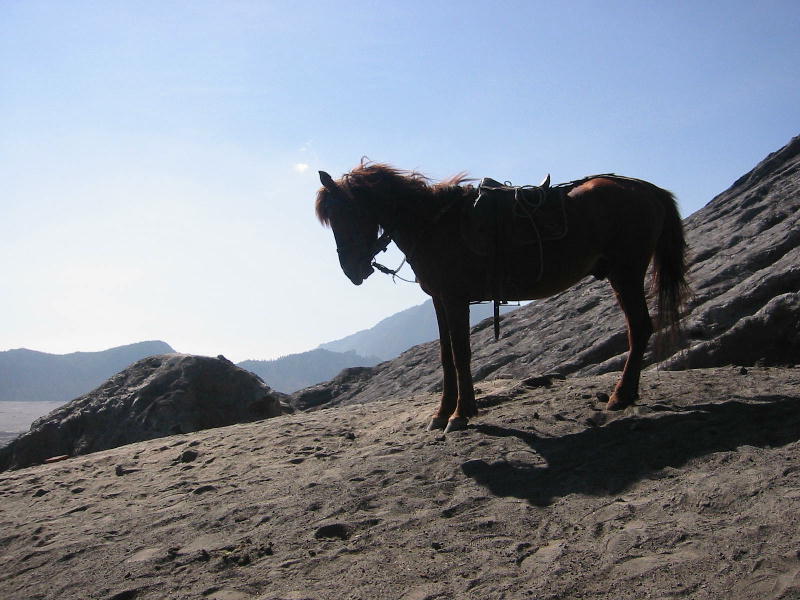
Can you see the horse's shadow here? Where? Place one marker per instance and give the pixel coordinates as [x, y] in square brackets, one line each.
[606, 460]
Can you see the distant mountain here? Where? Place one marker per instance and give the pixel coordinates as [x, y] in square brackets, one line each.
[296, 371]
[396, 334]
[31, 376]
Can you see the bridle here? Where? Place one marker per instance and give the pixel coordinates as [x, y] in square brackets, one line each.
[381, 243]
[378, 245]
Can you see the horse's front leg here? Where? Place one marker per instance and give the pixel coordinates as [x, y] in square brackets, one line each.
[457, 311]
[447, 405]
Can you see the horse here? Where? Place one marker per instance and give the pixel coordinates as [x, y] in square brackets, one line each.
[614, 227]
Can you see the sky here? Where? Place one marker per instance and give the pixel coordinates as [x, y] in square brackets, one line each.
[158, 159]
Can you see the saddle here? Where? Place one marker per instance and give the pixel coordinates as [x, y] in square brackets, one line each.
[505, 217]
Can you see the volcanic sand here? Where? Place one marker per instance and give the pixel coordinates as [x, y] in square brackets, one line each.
[694, 492]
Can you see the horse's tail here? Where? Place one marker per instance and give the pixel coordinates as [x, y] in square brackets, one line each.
[669, 273]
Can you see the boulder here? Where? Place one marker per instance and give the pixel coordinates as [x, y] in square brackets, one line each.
[157, 396]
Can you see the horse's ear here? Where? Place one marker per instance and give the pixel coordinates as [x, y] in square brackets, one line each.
[327, 182]
[546, 183]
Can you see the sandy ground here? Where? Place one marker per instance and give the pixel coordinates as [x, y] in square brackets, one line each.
[693, 493]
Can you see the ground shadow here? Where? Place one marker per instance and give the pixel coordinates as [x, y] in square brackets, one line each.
[606, 460]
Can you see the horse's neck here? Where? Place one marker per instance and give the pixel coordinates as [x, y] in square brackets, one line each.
[412, 217]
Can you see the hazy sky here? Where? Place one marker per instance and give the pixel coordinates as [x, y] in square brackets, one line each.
[158, 160]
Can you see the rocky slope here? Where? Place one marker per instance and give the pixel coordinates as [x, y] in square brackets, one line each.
[745, 274]
[693, 493]
[155, 397]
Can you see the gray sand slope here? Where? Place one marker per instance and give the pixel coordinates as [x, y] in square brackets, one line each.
[694, 493]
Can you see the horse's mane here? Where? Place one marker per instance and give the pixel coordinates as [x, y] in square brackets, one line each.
[368, 176]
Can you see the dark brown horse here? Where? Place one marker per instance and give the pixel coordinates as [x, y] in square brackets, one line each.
[612, 228]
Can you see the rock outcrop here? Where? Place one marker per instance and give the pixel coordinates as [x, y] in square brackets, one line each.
[323, 393]
[157, 396]
[744, 257]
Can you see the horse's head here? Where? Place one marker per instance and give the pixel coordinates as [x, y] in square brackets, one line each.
[354, 228]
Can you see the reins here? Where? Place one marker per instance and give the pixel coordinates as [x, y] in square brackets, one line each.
[381, 244]
[393, 272]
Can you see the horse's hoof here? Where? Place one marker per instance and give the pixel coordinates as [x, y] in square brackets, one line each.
[618, 403]
[456, 424]
[437, 423]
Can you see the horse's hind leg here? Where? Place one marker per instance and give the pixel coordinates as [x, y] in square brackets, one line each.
[629, 291]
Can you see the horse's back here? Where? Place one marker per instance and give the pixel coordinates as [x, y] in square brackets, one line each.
[629, 212]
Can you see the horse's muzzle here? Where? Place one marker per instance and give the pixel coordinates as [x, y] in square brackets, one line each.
[359, 274]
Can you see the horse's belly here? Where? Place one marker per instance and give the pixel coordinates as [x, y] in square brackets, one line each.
[532, 284]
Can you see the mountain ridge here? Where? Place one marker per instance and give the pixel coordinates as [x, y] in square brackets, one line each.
[293, 372]
[33, 376]
[396, 333]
